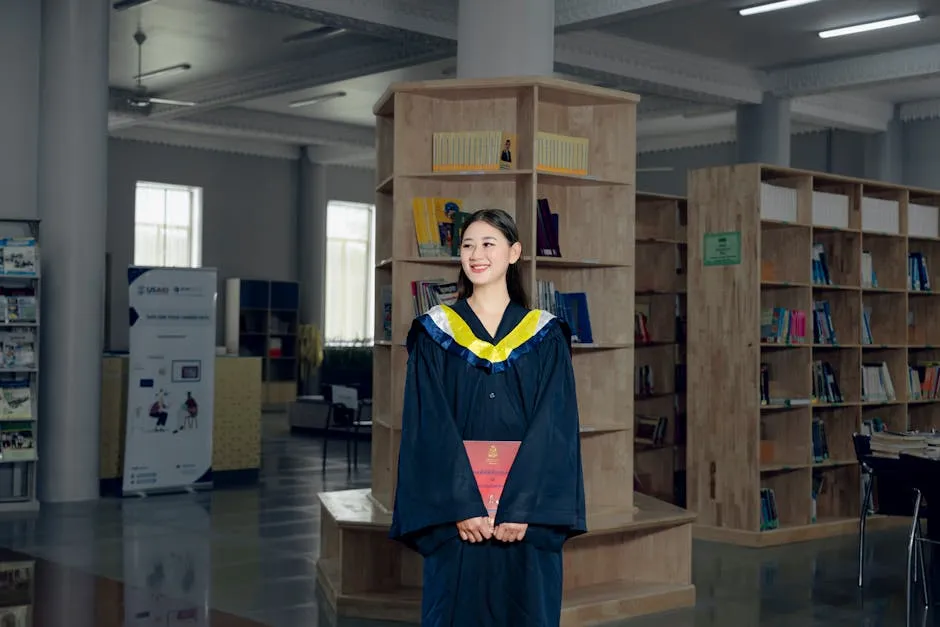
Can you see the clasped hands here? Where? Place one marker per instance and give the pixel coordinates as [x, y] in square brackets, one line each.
[483, 528]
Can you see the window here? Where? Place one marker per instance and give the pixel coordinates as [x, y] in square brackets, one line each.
[168, 225]
[350, 260]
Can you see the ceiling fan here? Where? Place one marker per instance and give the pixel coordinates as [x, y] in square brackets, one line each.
[140, 99]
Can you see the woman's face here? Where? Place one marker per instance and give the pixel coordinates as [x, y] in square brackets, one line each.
[485, 253]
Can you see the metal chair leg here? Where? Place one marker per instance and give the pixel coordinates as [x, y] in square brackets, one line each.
[922, 564]
[862, 520]
[910, 558]
[326, 434]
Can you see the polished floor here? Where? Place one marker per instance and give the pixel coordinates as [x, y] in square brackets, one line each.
[249, 555]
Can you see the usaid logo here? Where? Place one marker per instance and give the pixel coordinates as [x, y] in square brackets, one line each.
[151, 289]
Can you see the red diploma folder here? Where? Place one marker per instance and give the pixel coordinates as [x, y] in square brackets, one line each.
[491, 462]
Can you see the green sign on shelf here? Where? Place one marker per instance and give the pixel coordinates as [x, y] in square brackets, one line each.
[722, 249]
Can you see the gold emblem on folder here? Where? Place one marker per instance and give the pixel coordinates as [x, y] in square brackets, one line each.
[493, 454]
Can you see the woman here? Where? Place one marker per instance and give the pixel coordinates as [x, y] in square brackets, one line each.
[489, 370]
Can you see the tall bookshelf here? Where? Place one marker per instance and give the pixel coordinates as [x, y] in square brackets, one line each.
[659, 334]
[798, 279]
[636, 557]
[261, 320]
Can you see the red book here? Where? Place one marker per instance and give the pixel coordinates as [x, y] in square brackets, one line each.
[491, 462]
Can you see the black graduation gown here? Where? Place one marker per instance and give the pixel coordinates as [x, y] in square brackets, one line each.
[463, 384]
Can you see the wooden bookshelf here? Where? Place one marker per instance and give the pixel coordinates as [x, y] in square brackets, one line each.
[659, 334]
[753, 233]
[636, 558]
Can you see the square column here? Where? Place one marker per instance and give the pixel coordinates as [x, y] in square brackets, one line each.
[884, 153]
[497, 38]
[763, 132]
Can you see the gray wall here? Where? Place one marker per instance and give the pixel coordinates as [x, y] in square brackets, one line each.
[838, 152]
[249, 214]
[20, 25]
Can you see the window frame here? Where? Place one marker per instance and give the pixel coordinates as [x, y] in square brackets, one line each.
[193, 229]
[368, 314]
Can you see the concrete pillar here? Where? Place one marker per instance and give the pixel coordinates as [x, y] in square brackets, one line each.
[73, 172]
[763, 132]
[20, 36]
[311, 248]
[505, 38]
[884, 153]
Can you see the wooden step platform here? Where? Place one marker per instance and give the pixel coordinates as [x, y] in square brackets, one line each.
[787, 534]
[630, 563]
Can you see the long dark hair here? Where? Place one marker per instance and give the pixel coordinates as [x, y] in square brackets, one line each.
[502, 221]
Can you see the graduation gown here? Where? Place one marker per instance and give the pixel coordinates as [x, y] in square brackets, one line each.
[463, 384]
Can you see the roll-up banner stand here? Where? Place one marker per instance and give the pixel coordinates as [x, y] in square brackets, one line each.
[170, 380]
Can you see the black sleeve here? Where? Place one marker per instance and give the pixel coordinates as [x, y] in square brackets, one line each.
[436, 487]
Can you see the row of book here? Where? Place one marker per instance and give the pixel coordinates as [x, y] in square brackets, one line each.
[877, 386]
[918, 276]
[923, 380]
[569, 307]
[643, 383]
[780, 325]
[768, 510]
[766, 397]
[430, 293]
[439, 221]
[769, 518]
[825, 383]
[820, 441]
[492, 150]
[572, 308]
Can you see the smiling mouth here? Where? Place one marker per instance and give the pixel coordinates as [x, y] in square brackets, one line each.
[477, 268]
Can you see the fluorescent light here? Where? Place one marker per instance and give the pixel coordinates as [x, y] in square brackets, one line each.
[317, 99]
[774, 6]
[862, 28]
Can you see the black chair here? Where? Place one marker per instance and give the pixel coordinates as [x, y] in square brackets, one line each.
[863, 453]
[341, 418]
[921, 476]
[887, 481]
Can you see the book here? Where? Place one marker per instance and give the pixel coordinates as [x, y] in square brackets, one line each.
[491, 462]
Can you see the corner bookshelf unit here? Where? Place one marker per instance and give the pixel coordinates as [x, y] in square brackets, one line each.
[636, 558]
[261, 320]
[659, 335]
[20, 296]
[811, 315]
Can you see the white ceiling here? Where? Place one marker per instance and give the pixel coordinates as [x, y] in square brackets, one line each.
[215, 38]
[361, 94]
[691, 60]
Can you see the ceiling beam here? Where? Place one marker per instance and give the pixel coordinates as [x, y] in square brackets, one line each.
[263, 126]
[843, 111]
[856, 72]
[418, 21]
[581, 14]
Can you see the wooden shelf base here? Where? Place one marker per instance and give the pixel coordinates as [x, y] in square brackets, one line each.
[609, 575]
[795, 533]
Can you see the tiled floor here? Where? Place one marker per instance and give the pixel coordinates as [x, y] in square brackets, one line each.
[251, 552]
